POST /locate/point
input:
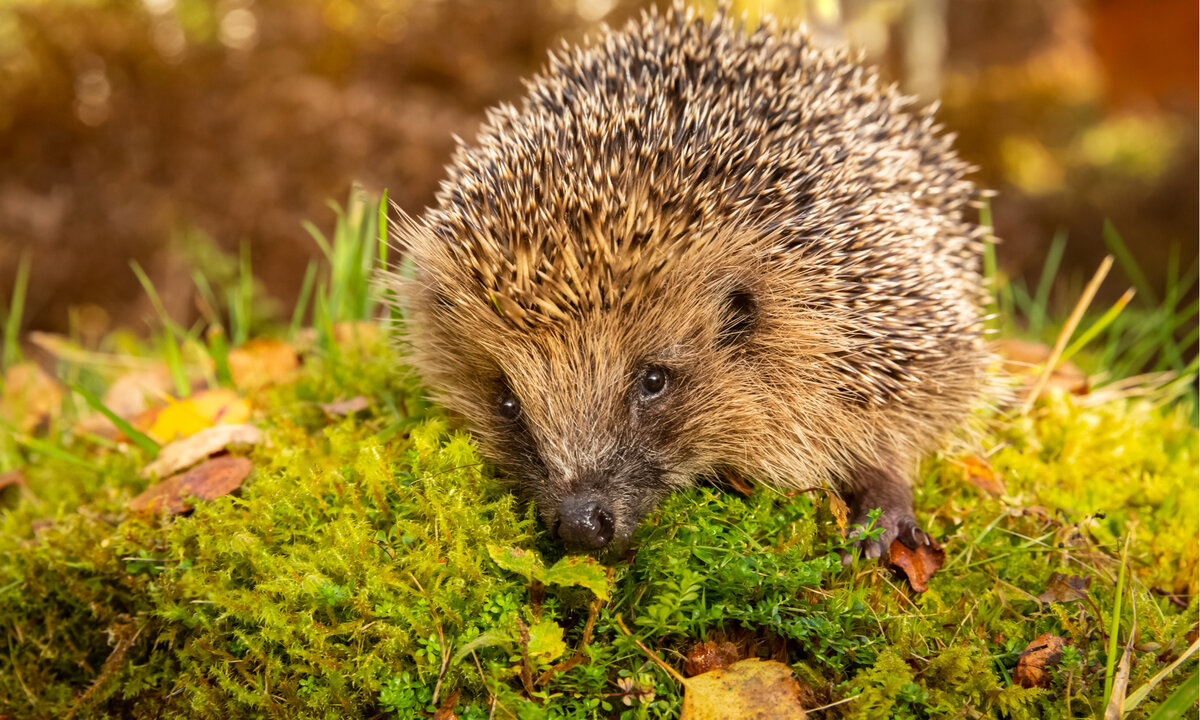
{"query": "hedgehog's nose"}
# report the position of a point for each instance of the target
(584, 523)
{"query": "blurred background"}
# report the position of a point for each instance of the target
(194, 134)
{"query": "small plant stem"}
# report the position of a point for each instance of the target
(669, 670)
(1115, 625)
(1064, 335)
(142, 440)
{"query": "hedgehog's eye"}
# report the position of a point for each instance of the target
(654, 382)
(509, 406)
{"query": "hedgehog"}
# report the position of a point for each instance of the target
(698, 250)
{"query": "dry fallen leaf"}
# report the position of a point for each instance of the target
(745, 690)
(203, 410)
(346, 407)
(979, 473)
(920, 564)
(208, 480)
(1120, 687)
(445, 711)
(841, 512)
(1065, 588)
(1033, 667)
(1025, 360)
(134, 392)
(30, 396)
(261, 362)
(191, 450)
(709, 656)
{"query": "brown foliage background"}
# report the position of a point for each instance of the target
(124, 125)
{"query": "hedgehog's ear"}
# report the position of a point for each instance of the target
(738, 317)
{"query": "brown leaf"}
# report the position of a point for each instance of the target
(709, 656)
(261, 362)
(346, 407)
(751, 688)
(1065, 588)
(188, 451)
(920, 564)
(208, 480)
(979, 473)
(445, 711)
(1033, 667)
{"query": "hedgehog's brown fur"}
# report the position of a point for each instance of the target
(755, 215)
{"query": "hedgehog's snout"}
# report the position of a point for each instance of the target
(585, 521)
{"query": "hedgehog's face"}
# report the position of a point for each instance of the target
(598, 417)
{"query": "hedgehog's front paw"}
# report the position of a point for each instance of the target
(887, 492)
(894, 525)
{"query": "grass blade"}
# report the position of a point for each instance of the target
(12, 326)
(54, 451)
(306, 288)
(1117, 247)
(1180, 702)
(1114, 627)
(138, 438)
(1137, 696)
(1098, 327)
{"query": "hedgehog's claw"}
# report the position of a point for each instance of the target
(892, 496)
(895, 526)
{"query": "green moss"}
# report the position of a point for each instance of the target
(350, 576)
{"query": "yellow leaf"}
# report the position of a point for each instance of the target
(184, 418)
(748, 689)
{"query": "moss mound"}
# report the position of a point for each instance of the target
(355, 574)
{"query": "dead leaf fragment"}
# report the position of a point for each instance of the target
(840, 510)
(1034, 665)
(753, 688)
(134, 392)
(346, 407)
(1120, 687)
(262, 362)
(918, 565)
(191, 450)
(445, 711)
(208, 480)
(30, 396)
(709, 656)
(1065, 588)
(979, 473)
